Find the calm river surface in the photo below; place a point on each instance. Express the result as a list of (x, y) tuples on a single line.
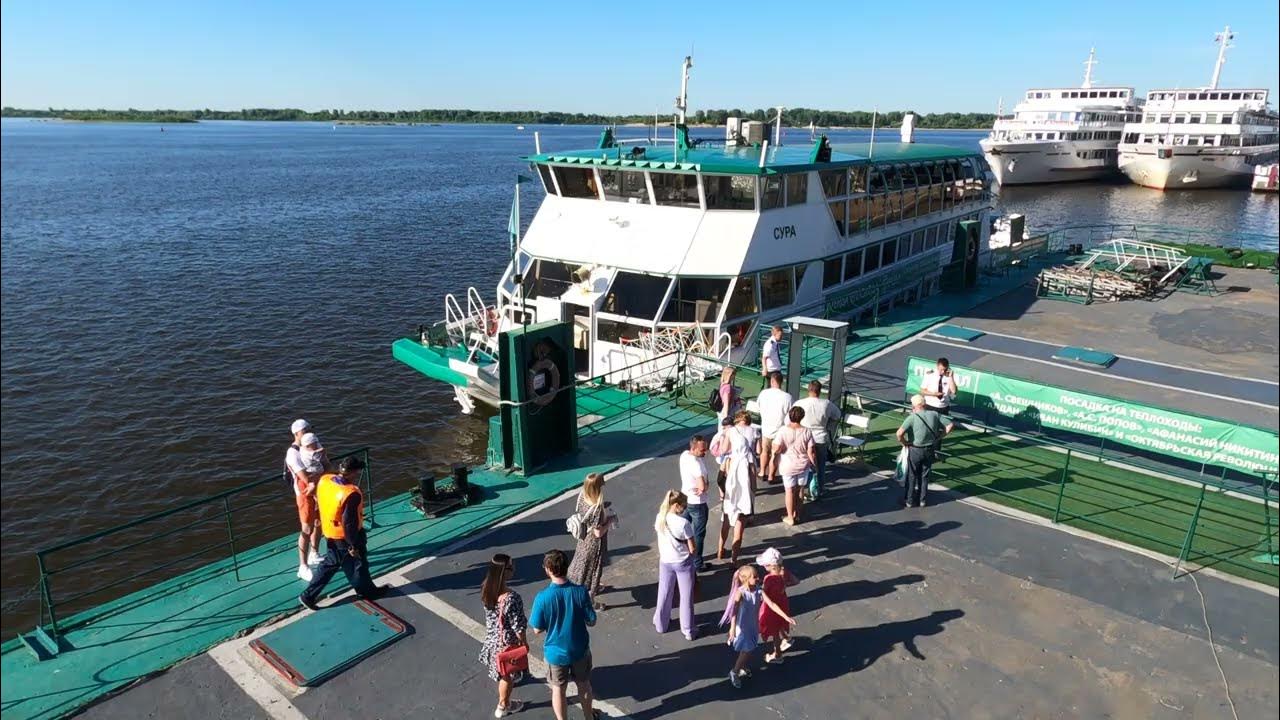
[(172, 300)]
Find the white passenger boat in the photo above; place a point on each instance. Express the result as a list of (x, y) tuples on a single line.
[(1201, 137), (698, 245), (1061, 134)]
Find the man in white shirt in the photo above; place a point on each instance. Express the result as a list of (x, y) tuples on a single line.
[(770, 361), (694, 483), (820, 415), (774, 403), (938, 387)]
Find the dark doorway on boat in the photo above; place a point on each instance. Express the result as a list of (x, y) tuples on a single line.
[(581, 319)]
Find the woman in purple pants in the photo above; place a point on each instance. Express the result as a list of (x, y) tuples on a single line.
[(676, 563)]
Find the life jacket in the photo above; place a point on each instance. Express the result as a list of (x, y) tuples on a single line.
[(330, 497)]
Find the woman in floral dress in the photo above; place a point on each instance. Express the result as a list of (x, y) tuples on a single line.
[(593, 549), (504, 627)]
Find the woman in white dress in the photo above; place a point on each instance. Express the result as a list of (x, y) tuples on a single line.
[(737, 495)]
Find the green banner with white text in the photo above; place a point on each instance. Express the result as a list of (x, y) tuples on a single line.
[(1182, 435)]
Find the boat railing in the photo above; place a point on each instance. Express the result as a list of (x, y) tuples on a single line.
[(1060, 239), (158, 547)]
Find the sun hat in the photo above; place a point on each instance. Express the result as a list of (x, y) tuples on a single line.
[(770, 556), (310, 439), (299, 425)]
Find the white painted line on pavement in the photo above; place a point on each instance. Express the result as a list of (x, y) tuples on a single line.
[(272, 701), (1134, 359), (472, 627), (1109, 376)]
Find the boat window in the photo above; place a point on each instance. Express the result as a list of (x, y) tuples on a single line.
[(624, 185), (888, 253), (619, 332), (675, 189), (797, 188), (835, 183), (1179, 118), (838, 210), (1194, 118), (546, 278), (917, 242), (576, 182), (544, 172), (875, 182), (831, 271), (777, 289), (1235, 96), (743, 300), (904, 247), (857, 215), (872, 260), (636, 295), (800, 274), (852, 264), (696, 300), (730, 192), (858, 179), (771, 192)]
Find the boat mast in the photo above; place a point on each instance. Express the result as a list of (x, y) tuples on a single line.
[(1088, 70), (871, 150), (1223, 39), (777, 128), (682, 102)]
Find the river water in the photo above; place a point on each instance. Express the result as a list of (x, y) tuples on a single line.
[(173, 300)]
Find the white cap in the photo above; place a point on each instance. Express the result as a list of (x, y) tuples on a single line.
[(299, 425), (310, 439), (917, 400), (770, 556)]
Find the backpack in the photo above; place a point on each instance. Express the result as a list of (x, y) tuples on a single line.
[(288, 474), (716, 401), (575, 526)]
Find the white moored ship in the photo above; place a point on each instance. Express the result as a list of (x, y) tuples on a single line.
[(699, 244), (1061, 134), (1201, 137)]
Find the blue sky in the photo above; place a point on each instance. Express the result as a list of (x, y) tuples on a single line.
[(577, 56)]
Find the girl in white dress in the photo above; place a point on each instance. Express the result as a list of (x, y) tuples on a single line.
[(737, 501)]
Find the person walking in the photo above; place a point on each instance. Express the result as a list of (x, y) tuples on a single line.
[(504, 628), (921, 434), (737, 498), (675, 563), (774, 403), (820, 418), (341, 509), (730, 394), (775, 608), (694, 482), (744, 611), (589, 557), (563, 611), (303, 485), (938, 386), (770, 358), (797, 456)]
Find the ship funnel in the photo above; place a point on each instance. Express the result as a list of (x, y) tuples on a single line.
[(909, 128)]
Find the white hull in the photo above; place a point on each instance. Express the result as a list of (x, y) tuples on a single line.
[(1191, 167), (1022, 163)]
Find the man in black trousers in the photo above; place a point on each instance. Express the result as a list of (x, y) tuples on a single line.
[(921, 434), (341, 506)]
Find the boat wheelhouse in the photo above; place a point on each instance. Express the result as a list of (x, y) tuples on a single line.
[(1061, 134), (1201, 137)]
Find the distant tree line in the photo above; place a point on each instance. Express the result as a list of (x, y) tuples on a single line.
[(794, 117)]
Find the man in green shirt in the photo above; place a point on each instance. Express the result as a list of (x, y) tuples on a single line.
[(921, 434)]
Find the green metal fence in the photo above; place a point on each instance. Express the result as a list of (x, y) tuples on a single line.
[(157, 547), (1060, 238), (1203, 517)]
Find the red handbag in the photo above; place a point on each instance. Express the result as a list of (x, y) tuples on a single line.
[(514, 659)]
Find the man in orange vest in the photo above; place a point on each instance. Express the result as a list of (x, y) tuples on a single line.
[(341, 507)]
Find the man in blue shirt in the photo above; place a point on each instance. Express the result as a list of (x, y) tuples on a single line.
[(563, 611)]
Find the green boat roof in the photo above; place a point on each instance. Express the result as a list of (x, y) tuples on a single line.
[(746, 160)]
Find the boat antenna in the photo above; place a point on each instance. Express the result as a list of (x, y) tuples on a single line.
[(682, 102), (1223, 39), (999, 107), (871, 151), (777, 128), (1088, 70)]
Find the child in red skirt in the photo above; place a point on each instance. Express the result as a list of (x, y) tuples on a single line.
[(775, 611)]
